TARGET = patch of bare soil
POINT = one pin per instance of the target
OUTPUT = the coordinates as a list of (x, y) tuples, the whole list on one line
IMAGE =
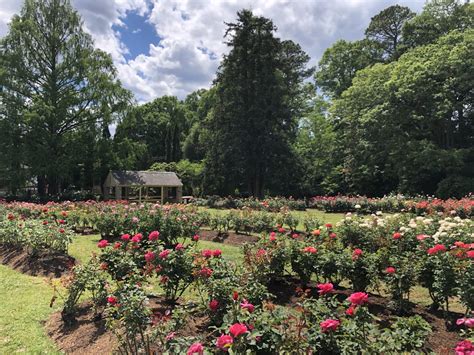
[(42, 264), (227, 237), (88, 335)]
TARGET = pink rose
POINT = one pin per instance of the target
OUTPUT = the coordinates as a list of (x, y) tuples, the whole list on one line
[(390, 270), (325, 288), (149, 256), (179, 246), (248, 306), (358, 298), (137, 238), (397, 235), (224, 342), (237, 329), (196, 237), (356, 254), (164, 254), (329, 325), (206, 253), (125, 237), (205, 272), (103, 243), (217, 253), (196, 348), (154, 235)]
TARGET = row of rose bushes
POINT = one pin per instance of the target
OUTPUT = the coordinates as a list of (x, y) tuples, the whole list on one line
[(391, 204), (392, 254), (270, 204), (49, 235)]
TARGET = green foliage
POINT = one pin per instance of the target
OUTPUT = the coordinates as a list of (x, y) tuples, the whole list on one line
[(57, 93), (190, 173)]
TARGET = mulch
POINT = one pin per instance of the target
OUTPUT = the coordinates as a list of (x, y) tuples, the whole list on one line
[(44, 263), (230, 238)]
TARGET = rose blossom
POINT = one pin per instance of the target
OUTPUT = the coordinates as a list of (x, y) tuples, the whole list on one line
[(351, 310), (237, 329), (396, 235), (149, 256), (464, 347), (356, 254), (206, 253), (205, 272), (137, 238), (112, 300), (358, 298), (437, 249), (329, 325), (390, 270), (196, 348), (316, 232), (248, 306), (125, 237), (311, 250), (224, 342), (154, 235), (164, 254), (214, 305), (196, 237), (217, 253), (235, 295), (325, 288), (103, 243)]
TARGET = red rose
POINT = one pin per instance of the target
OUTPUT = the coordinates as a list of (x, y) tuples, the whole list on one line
[(112, 300), (329, 325), (103, 243), (438, 248), (125, 237), (390, 270), (11, 217), (196, 238), (332, 235), (358, 298), (61, 230), (45, 223), (311, 250), (137, 238), (217, 253), (397, 235), (237, 329), (117, 245), (206, 253), (261, 253), (325, 288), (356, 254), (179, 246), (328, 225), (470, 254), (235, 295), (351, 310), (214, 305)]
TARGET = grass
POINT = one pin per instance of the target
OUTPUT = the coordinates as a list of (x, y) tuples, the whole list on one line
[(324, 217), (24, 307)]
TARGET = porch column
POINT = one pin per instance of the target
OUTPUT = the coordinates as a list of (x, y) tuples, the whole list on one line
[(179, 194), (162, 194), (140, 194)]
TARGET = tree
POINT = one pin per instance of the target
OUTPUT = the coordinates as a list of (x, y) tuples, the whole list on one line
[(158, 127), (55, 87), (386, 28), (438, 18), (409, 125), (255, 117), (341, 61)]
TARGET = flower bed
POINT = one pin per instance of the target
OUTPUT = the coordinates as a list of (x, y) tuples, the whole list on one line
[(244, 314)]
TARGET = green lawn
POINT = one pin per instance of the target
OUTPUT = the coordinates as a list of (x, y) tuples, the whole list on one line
[(24, 306)]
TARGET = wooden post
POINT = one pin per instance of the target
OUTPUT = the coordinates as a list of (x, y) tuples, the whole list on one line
[(140, 194), (162, 195)]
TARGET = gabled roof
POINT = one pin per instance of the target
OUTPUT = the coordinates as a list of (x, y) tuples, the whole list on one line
[(142, 178)]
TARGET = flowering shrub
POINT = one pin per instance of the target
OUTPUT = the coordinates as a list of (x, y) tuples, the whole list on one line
[(34, 235)]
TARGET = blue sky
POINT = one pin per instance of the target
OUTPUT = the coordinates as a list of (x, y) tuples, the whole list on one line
[(173, 47)]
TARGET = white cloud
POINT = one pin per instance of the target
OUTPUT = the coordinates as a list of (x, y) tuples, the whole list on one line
[(191, 33)]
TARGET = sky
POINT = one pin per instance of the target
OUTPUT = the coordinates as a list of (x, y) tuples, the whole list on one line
[(166, 47)]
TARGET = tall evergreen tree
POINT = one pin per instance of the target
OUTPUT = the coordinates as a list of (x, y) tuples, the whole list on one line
[(56, 88), (258, 102)]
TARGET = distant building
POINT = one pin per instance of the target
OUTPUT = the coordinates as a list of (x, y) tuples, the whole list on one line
[(160, 186)]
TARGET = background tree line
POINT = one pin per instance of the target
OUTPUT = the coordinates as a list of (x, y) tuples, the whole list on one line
[(391, 112)]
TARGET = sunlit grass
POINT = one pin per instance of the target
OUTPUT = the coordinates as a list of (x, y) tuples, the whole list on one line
[(24, 306)]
